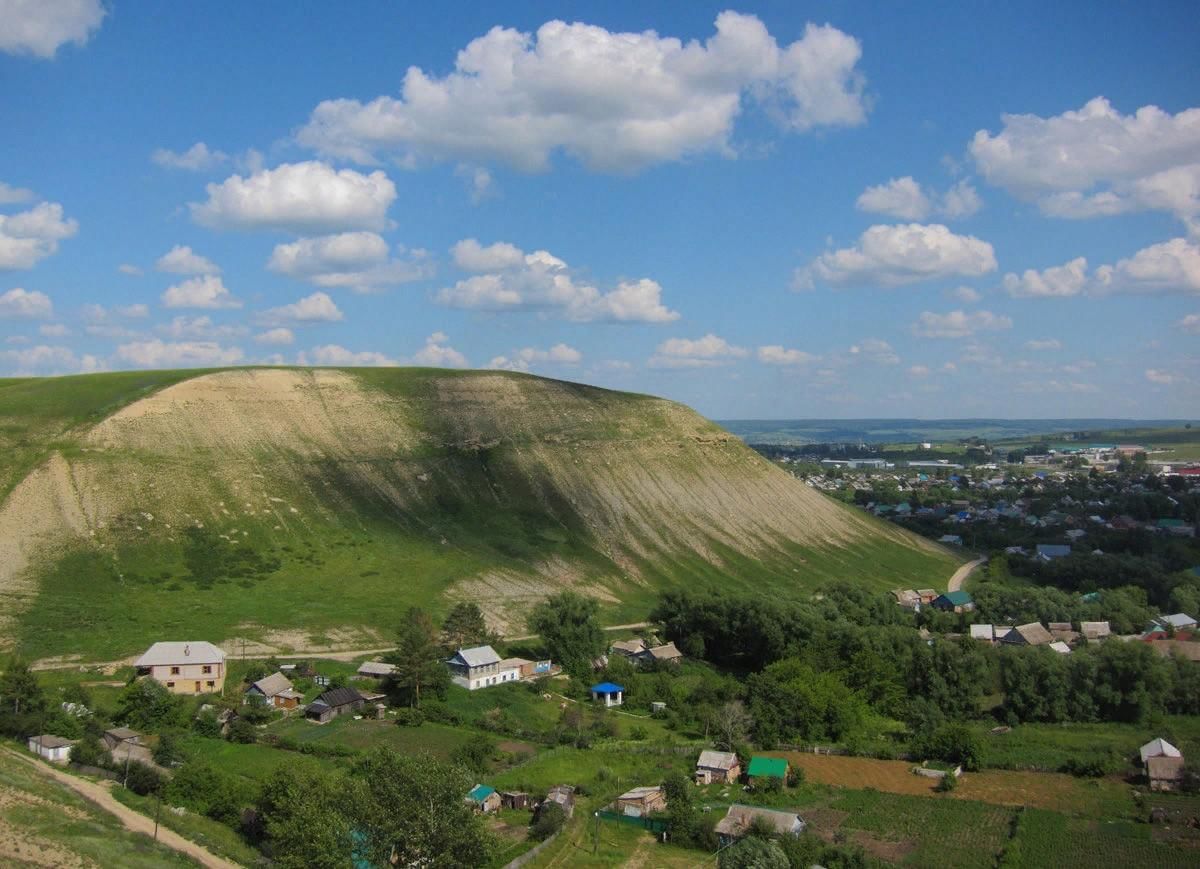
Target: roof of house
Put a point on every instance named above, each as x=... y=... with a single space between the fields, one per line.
x=982 y=632
x=710 y=759
x=606 y=688
x=1060 y=647
x=376 y=668
x=955 y=598
x=274 y=684
x=774 y=767
x=290 y=694
x=47 y=740
x=629 y=647
x=1164 y=768
x=1158 y=748
x=479 y=793
x=1034 y=634
x=739 y=818
x=176 y=653
x=122 y=733
x=514 y=663
x=641 y=793
x=478 y=656
x=1053 y=550
x=665 y=652
x=339 y=697
x=1095 y=629
x=1177 y=620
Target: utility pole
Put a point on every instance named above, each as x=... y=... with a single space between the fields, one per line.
x=595 y=833
x=157 y=809
x=125 y=783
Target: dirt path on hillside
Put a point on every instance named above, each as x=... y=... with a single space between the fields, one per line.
x=960 y=575
x=134 y=821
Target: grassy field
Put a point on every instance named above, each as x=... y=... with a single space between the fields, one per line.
x=1049 y=746
x=1045 y=840
x=215 y=836
x=43 y=823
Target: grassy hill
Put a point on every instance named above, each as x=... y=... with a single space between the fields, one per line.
x=298 y=508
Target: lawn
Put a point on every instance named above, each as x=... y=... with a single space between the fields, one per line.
x=214 y=836
x=1046 y=840
x=43 y=823
x=439 y=740
x=1049 y=746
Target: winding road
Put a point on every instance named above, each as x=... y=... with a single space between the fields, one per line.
x=134 y=821
x=960 y=575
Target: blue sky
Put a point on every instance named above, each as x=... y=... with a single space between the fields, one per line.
x=764 y=210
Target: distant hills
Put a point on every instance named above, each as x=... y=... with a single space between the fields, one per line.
x=302 y=509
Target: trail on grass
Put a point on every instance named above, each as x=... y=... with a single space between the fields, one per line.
x=133 y=821
x=960 y=575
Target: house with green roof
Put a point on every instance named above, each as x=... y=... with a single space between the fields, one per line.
x=954 y=602
x=767 y=767
x=484 y=798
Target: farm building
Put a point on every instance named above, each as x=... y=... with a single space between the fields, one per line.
x=117 y=737
x=1176 y=621
x=480 y=667
x=193 y=667
x=640 y=802
x=1158 y=748
x=275 y=690
x=1164 y=773
x=767 y=767
x=1032 y=634
x=927 y=595
x=484 y=798
x=52 y=748
x=563 y=795
x=1093 y=632
x=717 y=766
x=739 y=819
x=608 y=693
x=335 y=702
x=982 y=632
x=375 y=669
x=514 y=799
x=954 y=602
x=907 y=598
x=639 y=651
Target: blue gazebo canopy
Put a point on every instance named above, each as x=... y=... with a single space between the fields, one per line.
x=607 y=688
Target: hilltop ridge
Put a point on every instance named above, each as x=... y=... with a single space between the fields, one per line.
x=287 y=506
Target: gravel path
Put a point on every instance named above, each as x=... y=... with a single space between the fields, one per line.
x=960 y=575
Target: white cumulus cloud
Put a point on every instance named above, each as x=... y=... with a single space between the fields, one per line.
x=776 y=354
x=540 y=281
x=208 y=291
x=299 y=197
x=45 y=359
x=315 y=308
x=705 y=352
x=336 y=355
x=1043 y=344
x=437 y=353
x=28 y=237
x=10 y=195
x=1163 y=378
x=1096 y=161
x=875 y=350
x=53 y=330
x=966 y=295
x=1168 y=267
x=19 y=302
x=1190 y=324
x=196 y=158
x=959 y=324
x=905 y=199
x=41 y=27
x=1068 y=279
x=201 y=327
x=182 y=260
x=521 y=360
x=890 y=256
x=614 y=101
x=156 y=353
x=276 y=336
x=359 y=261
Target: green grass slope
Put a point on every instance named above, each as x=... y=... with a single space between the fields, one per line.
x=307 y=508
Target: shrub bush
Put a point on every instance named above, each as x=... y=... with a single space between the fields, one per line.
x=409 y=717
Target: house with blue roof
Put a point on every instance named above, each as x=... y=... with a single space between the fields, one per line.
x=484 y=798
x=608 y=693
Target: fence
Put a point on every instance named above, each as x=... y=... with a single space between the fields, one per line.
x=97 y=771
x=518 y=862
x=654 y=825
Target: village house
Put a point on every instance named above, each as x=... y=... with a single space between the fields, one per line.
x=1060 y=647
x=982 y=632
x=514 y=800
x=375 y=669
x=117 y=737
x=52 y=748
x=717 y=766
x=1163 y=764
x=608 y=693
x=762 y=767
x=1094 y=632
x=193 y=667
x=641 y=802
x=907 y=598
x=1176 y=622
x=484 y=798
x=1032 y=634
x=954 y=601
x=739 y=819
x=480 y=667
x=275 y=690
x=335 y=702
x=927 y=596
x=639 y=651
x=1051 y=551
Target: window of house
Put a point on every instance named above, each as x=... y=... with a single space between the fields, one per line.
x=207 y=669
x=211 y=684
x=174 y=671
x=170 y=684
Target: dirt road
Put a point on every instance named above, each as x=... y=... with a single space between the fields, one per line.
x=960 y=575
x=134 y=821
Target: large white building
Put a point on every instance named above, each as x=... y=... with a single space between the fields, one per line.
x=190 y=667
x=481 y=667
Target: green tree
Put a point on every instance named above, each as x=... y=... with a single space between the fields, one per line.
x=754 y=853
x=417 y=658
x=570 y=630
x=550 y=819
x=464 y=627
x=411 y=813
x=306 y=819
x=167 y=752
x=476 y=753
x=146 y=704
x=23 y=704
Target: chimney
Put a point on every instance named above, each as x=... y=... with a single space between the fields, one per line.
x=187 y=650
